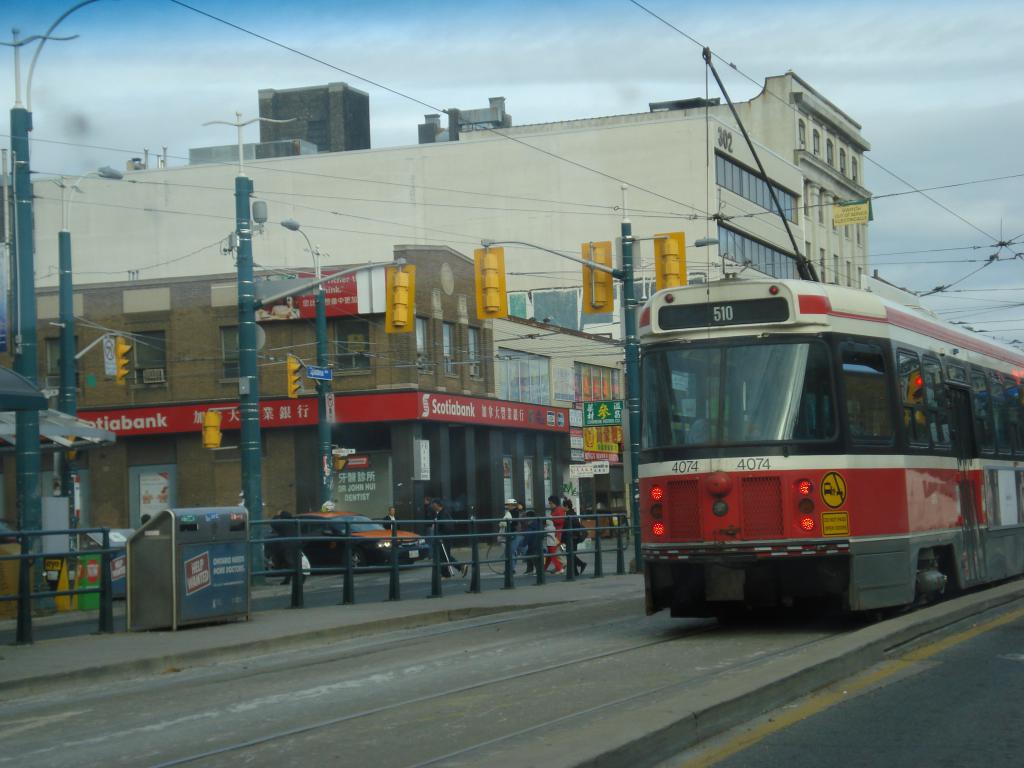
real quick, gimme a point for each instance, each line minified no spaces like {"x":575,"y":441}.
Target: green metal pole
{"x":632,"y":383}
{"x":67,"y":399}
{"x":248,"y":378}
{"x":323,"y":426}
{"x":26,"y":362}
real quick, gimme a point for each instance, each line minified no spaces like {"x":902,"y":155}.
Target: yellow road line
{"x":818,"y":702}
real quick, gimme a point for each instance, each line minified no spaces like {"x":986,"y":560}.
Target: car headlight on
{"x":383,"y":544}
{"x":421,"y":542}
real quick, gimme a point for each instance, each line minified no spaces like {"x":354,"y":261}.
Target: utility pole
{"x":632,"y":376}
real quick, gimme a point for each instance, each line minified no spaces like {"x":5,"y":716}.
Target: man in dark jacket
{"x":444,"y":528}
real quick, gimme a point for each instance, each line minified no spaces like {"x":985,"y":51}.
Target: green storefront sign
{"x":602,"y":413}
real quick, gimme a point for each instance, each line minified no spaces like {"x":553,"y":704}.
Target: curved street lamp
{"x":323,"y":426}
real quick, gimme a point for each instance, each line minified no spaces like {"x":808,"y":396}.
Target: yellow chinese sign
{"x":854,"y":212}
{"x":603,"y":439}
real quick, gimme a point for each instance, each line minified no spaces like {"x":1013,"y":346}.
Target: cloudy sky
{"x":937,"y":86}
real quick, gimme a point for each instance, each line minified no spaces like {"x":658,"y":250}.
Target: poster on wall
{"x":528,"y":481}
{"x":506,"y":475}
{"x":154,"y":492}
{"x":363,"y":486}
{"x":548,"y":478}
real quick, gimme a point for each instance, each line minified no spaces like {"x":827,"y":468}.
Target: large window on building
{"x":229,"y":351}
{"x":351,"y":344}
{"x":853,"y":168}
{"x":817,"y":143}
{"x":842,"y":161}
{"x":150,"y":350}
{"x":801,"y":132}
{"x":523,"y":377}
{"x":751,"y":186}
{"x":829,"y":152}
{"x":761,"y":257}
{"x":597,"y":382}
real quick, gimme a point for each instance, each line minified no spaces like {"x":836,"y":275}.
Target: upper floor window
{"x":473,"y":352}
{"x":751,"y":186}
{"x":597,"y":382}
{"x":853,"y":168}
{"x":422,"y":344}
{"x":829,"y":152}
{"x":229,"y":351}
{"x":745,"y":250}
{"x":150,"y":350}
{"x":842,"y":161}
{"x":523,"y":377}
{"x":448,"y":347}
{"x":816,"y":137}
{"x":801,"y":132}
{"x":351,"y":344}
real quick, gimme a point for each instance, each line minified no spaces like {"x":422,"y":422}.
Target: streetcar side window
{"x":1016,"y":414}
{"x":982,"y":412}
{"x":937,"y":403}
{"x":867,"y":393}
{"x":1000,"y":413}
{"x":911,"y":388}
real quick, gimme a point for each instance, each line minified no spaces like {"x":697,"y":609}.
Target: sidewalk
{"x":124,"y":655}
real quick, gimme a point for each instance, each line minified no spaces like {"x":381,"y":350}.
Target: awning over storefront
{"x":18,"y":393}
{"x":58,"y":430}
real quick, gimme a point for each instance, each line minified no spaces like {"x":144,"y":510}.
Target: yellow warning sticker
{"x":835,"y":524}
{"x":833,"y":490}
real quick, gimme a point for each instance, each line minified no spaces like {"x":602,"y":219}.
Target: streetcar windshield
{"x":737,"y":394}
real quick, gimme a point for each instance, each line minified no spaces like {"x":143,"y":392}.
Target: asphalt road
{"x":521,"y":688}
{"x":954,"y":703}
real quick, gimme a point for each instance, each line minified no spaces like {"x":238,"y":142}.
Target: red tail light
{"x":807,"y":523}
{"x":657,"y":493}
{"x":658,"y":529}
{"x":804,"y":487}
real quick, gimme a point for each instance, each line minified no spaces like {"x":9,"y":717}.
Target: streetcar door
{"x":972,"y":556}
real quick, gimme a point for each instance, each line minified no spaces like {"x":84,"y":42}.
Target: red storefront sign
{"x":352,"y":409}
{"x":163,"y":419}
{"x":434,"y":406}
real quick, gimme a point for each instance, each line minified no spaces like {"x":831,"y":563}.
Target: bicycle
{"x":495,"y":556}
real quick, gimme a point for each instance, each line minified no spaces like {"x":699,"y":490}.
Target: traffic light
{"x":211,"y":429}
{"x":400,"y":283}
{"x":598,"y":288}
{"x":294,"y":367}
{"x":670,"y":260}
{"x":489,"y":268}
{"x":121,"y":363}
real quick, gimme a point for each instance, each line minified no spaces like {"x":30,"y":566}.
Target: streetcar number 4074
{"x":753,"y":464}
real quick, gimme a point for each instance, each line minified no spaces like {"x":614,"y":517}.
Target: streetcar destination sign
{"x":721,"y":313}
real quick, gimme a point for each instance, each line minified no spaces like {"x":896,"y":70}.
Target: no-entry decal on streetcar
{"x":835,"y":524}
{"x":833,"y":490}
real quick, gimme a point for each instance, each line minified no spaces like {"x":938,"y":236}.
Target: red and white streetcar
{"x":808,"y":443}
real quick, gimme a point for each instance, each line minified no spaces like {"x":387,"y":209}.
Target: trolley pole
{"x":632,"y":377}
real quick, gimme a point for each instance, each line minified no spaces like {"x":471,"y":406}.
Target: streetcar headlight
{"x":720,"y":508}
{"x":656,"y":511}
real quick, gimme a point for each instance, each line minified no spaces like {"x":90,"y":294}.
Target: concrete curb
{"x":675,"y":720}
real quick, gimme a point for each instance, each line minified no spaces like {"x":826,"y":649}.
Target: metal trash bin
{"x":189,"y":566}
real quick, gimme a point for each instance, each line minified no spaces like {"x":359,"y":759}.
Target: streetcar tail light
{"x":807,"y":523}
{"x":658,"y":529}
{"x":657,"y":493}
{"x":804,"y":487}
{"x":774,"y":290}
{"x":656,"y":511}
{"x":806,"y":506}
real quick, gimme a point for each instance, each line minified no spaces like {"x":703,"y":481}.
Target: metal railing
{"x":26,"y":562}
{"x":392,"y":548}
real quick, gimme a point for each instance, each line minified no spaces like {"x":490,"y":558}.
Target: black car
{"x":371,"y":543}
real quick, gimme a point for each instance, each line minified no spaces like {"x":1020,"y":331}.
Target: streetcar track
{"x":291,"y":732}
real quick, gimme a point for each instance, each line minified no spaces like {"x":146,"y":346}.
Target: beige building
{"x":556,"y":185}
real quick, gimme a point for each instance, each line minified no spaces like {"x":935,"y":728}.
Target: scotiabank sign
{"x":434,"y":406}
{"x":189,"y":418}
{"x":351,"y":409}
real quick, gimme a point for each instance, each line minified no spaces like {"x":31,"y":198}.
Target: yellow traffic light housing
{"x":491,"y":295}
{"x":211,"y":429}
{"x":294,"y":368}
{"x":400,"y":283}
{"x":121,"y":365}
{"x":670,"y":260}
{"x":598,"y":287}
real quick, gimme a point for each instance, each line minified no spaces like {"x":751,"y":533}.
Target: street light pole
{"x":67,"y":401}
{"x":323,"y":426}
{"x":629,"y":304}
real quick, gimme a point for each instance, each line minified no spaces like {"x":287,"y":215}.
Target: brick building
{"x":420,"y":409}
{"x":335,"y":117}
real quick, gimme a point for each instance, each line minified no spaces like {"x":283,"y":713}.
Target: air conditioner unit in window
{"x":154,"y":376}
